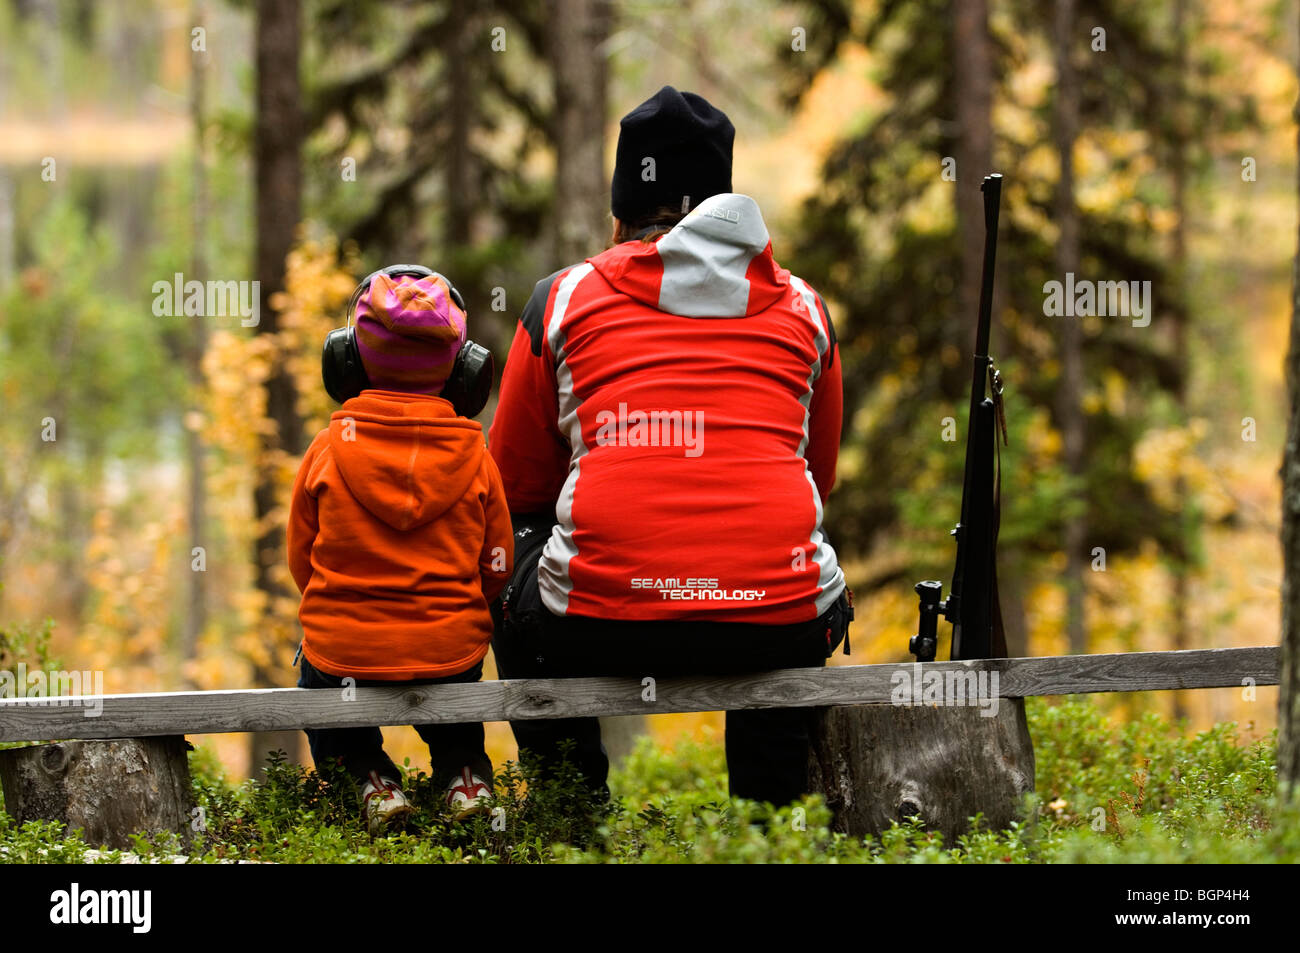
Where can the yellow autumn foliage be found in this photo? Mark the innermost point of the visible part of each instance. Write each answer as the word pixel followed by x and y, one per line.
pixel 259 634
pixel 1167 461
pixel 125 634
pixel 317 288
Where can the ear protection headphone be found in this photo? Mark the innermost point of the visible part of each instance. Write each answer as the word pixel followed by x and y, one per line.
pixel 345 376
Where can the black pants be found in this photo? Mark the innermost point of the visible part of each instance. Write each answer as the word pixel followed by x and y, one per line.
pixel 767 748
pixel 361 750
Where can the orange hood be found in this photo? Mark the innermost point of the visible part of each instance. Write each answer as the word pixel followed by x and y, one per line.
pixel 406 458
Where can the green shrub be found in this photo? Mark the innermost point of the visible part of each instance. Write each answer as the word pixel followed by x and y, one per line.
pixel 1141 792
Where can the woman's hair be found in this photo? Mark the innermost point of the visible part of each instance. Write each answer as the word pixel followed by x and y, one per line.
pixel 659 221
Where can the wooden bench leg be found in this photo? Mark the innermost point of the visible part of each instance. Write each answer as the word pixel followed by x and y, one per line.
pixel 878 763
pixel 110 789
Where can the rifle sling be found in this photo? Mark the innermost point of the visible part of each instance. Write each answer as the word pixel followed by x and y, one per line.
pixel 998 642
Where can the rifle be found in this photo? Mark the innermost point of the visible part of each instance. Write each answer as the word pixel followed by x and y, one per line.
pixel 972 603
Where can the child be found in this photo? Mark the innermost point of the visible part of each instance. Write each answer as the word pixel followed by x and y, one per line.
pixel 398 539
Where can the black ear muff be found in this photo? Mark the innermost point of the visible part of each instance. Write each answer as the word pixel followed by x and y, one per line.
pixel 471 380
pixel 340 364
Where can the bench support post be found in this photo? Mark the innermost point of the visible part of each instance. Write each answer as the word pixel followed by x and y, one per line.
pixel 878 763
pixel 110 789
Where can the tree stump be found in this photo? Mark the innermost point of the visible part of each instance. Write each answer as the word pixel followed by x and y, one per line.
pixel 875 764
pixel 110 789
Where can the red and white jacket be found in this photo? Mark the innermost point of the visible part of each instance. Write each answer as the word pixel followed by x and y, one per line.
pixel 677 404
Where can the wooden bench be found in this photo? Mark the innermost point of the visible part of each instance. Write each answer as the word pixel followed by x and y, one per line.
pixel 873 758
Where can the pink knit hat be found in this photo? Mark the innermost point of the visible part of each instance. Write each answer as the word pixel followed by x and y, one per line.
pixel 409 331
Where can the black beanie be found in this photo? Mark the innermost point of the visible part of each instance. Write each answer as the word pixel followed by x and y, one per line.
pixel 689 142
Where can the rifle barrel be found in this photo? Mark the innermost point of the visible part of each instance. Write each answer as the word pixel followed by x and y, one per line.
pixel 971 600
pixel 972 573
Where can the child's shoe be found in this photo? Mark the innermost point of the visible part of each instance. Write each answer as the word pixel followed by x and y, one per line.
pixel 383 803
pixel 467 795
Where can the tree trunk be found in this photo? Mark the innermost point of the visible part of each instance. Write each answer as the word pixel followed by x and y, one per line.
pixel 1070 392
pixel 196 614
pixel 73 535
pixel 876 764
pixel 51 58
pixel 461 197
pixel 110 789
pixel 576 37
pixel 263 743
pixel 1288 715
pixel 1011 598
pixel 1178 171
pixel 278 174
pixel 973 82
pixel 6 221
pixel 619 734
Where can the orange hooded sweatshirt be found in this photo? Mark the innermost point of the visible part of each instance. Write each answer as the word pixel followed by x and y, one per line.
pixel 398 538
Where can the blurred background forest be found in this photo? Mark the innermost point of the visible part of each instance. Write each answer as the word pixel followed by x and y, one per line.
pixel 146 458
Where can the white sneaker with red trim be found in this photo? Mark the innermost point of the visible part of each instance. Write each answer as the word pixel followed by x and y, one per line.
pixel 383 803
pixel 467 795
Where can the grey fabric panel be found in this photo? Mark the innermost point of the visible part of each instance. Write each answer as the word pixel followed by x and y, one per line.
pixel 553 582
pixel 706 255
pixel 830 577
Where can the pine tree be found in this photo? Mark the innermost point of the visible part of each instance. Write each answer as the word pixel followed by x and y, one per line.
pixel 892 269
